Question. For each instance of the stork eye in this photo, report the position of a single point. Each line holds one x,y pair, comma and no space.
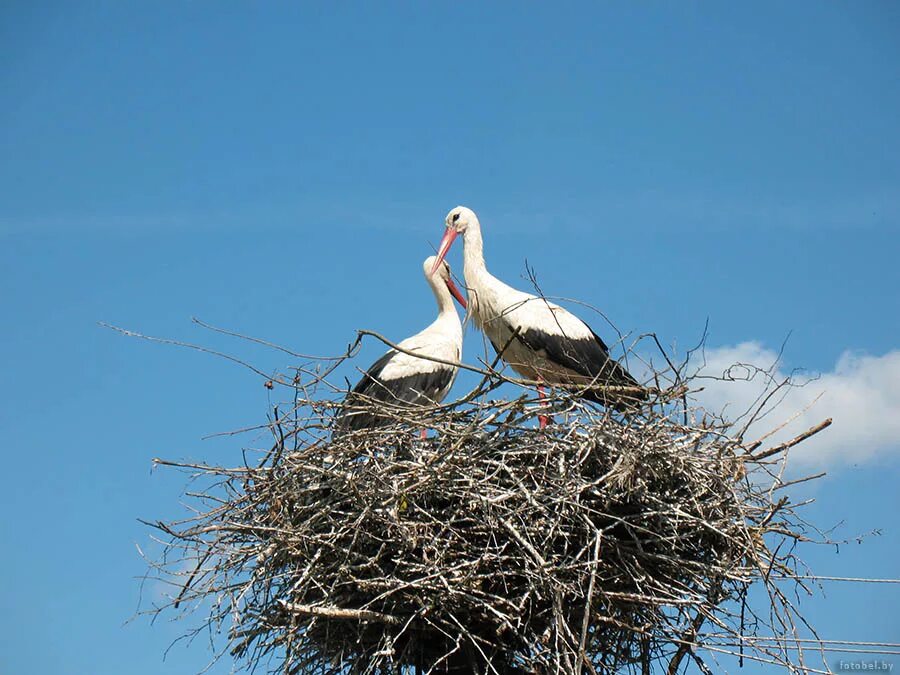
455,217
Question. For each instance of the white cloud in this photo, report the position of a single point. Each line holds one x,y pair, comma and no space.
861,394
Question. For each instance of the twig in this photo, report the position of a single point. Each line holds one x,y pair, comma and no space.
812,431
339,613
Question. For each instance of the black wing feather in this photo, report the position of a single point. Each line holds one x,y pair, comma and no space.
588,357
418,389
369,377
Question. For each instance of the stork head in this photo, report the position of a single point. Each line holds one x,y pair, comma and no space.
458,221
443,276
460,218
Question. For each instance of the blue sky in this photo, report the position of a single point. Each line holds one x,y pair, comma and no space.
283,170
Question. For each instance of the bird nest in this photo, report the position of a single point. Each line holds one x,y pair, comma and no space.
602,543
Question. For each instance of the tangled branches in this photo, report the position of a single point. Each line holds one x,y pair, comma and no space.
601,544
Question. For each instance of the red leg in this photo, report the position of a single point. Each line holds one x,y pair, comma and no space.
423,434
542,419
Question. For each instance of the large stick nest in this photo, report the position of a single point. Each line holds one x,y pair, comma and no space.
599,544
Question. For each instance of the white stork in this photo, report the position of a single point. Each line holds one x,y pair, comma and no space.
400,379
551,345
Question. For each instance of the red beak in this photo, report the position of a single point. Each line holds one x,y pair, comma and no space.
446,243
454,291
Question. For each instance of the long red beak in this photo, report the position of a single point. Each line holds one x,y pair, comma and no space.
446,243
454,291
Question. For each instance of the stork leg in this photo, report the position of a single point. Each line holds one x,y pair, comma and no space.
423,434
543,420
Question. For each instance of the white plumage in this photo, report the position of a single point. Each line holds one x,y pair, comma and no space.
551,345
401,379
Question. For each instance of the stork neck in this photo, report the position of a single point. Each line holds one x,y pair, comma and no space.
442,295
473,253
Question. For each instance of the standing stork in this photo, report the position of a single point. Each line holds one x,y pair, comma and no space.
551,344
399,379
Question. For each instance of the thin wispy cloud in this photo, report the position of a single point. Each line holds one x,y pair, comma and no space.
294,216
649,209
653,208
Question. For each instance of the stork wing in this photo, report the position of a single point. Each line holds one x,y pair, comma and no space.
564,339
394,379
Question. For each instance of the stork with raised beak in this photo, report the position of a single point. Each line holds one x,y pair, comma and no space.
540,340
